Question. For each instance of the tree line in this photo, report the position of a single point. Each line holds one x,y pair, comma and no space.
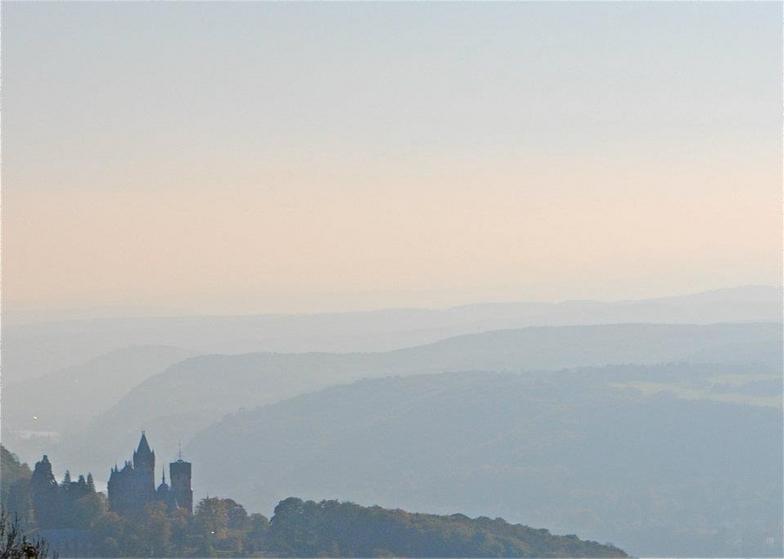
221,527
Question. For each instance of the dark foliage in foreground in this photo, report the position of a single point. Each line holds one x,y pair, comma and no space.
76,521
222,528
15,544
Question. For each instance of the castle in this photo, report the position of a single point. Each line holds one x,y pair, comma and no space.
133,486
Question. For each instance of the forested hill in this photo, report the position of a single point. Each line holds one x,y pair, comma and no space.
590,451
331,528
11,470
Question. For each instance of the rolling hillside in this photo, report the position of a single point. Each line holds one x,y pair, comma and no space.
676,471
194,393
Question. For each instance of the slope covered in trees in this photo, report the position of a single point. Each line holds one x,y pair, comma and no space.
308,529
14,480
11,470
675,459
223,528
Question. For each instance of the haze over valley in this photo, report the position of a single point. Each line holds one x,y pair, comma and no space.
555,425
392,279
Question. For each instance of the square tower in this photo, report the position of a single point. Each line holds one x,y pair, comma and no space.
180,476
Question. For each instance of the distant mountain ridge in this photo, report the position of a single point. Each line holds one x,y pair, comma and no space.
81,391
64,402
35,349
194,393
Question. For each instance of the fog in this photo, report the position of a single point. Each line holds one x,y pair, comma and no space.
479,260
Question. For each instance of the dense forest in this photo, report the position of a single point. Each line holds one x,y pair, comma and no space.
306,529
75,520
11,471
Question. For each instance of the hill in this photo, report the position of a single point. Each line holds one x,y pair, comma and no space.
38,412
11,471
194,393
670,460
14,492
330,528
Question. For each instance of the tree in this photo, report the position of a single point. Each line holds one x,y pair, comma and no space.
87,510
14,543
237,516
109,535
258,533
157,529
13,471
45,495
19,503
222,525
182,539
212,518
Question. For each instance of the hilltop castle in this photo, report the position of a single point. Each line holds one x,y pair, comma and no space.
133,486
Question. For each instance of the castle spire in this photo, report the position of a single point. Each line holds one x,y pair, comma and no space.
144,446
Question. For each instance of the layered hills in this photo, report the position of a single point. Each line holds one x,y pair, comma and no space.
34,349
194,393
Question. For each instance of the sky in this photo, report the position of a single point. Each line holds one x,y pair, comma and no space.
224,158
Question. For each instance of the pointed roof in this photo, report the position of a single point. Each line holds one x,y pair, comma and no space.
144,446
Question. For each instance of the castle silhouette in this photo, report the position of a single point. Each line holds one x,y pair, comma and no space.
133,486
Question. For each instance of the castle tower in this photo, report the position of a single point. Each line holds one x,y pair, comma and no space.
133,486
180,477
144,469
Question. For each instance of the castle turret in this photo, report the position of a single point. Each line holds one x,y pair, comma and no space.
165,494
180,476
144,468
143,456
163,488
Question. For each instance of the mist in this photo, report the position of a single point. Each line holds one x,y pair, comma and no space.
392,279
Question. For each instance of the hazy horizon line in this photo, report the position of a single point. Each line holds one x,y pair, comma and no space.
78,314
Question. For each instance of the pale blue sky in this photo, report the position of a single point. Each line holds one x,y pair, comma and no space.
241,157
